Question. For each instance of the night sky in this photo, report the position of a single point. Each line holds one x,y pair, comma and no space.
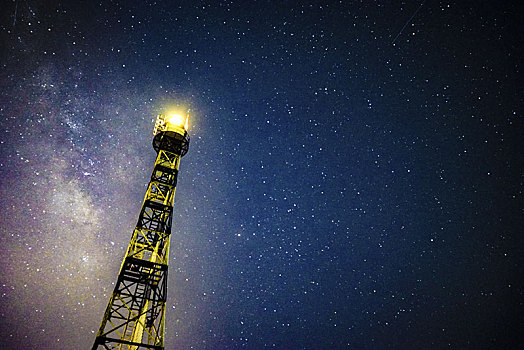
354,178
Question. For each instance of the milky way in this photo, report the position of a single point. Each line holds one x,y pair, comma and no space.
339,191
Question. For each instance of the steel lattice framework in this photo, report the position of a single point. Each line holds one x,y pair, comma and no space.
135,315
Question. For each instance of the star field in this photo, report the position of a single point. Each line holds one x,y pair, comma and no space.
354,178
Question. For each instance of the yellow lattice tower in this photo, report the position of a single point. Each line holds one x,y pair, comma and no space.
135,316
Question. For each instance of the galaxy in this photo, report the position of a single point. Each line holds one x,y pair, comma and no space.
354,178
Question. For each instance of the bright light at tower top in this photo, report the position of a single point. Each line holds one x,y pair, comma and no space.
175,121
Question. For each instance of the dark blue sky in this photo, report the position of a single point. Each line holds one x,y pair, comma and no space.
354,178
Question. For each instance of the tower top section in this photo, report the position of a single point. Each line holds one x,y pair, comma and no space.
170,133
177,122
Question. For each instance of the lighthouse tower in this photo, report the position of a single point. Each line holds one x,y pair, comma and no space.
135,315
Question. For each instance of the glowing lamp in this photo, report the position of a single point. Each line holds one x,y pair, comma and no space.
176,119
172,122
